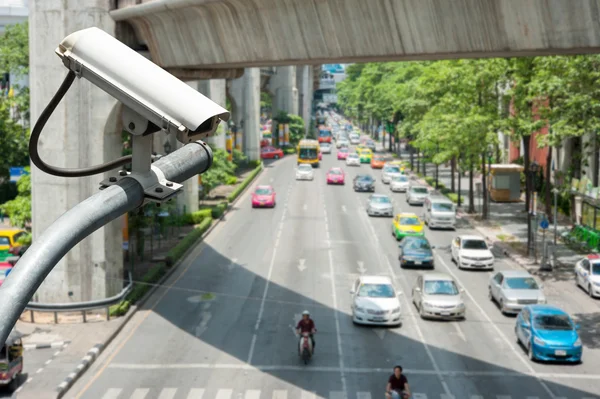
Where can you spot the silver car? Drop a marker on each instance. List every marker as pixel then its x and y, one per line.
pixel 353 160
pixel 380 205
pixel 325 148
pixel 512 290
pixel 399 183
pixel 304 172
pixel 416 195
pixel 436 295
pixel 354 138
pixel 342 142
pixel 389 172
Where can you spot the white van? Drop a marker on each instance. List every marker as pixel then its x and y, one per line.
pixel 440 212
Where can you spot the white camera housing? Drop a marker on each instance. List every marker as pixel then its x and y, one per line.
pixel 161 101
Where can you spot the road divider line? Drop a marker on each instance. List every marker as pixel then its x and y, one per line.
pixel 460 332
pixel 497 329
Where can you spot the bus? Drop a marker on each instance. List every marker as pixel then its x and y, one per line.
pixel 325 135
pixel 308 152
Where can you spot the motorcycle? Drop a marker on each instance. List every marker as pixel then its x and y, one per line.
pixel 305 347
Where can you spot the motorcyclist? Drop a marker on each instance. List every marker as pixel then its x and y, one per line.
pixel 307 325
pixel 397 386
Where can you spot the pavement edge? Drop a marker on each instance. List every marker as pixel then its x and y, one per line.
pixel 97 349
pixel 53 345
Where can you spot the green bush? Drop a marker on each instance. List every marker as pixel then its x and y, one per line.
pixel 244 184
pixel 179 250
pixel 218 210
pixel 453 197
pixel 139 290
pixel 445 191
pixel 289 150
pixel 430 180
pixel 255 164
pixel 199 216
pixel 231 180
pixel 25 239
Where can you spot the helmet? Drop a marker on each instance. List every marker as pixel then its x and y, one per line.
pixel 306 313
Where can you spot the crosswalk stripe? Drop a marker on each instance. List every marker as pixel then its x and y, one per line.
pixel 112 393
pixel 196 393
pixel 280 394
pixel 224 393
pixel 363 395
pixel 140 393
pixel 307 395
pixel 337 395
pixel 167 393
pixel 252 394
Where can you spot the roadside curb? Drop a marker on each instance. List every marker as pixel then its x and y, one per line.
pixel 97 349
pixel 53 345
pixel 83 365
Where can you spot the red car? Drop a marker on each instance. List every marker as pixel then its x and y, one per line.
pixel 336 176
pixel 263 196
pixel 265 143
pixel 271 153
pixel 342 153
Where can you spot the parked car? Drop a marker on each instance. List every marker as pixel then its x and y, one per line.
pixel 380 205
pixel 263 196
pixel 472 252
pixel 512 290
pixel 548 334
pixel 437 295
pixel 416 252
pixel 270 152
pixel 587 274
pixel 375 301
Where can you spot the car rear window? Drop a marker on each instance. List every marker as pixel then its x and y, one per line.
pixel 263 191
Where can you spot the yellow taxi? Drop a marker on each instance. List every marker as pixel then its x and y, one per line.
pixel 407 224
pixel 8 239
pixel 365 155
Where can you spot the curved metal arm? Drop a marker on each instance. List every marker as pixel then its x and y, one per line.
pixel 81 221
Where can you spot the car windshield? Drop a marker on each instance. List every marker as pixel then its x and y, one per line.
pixel 324 133
pixel 380 200
pixel 343 150
pixel 419 190
pixel 418 244
pixel 335 172
pixel 441 287
pixel 263 191
pixel 409 221
pixel 366 178
pixel 307 153
pixel 595 269
pixel 400 178
pixel 353 156
pixel 325 145
pixel 552 322
pixel 376 291
pixel 305 168
pixel 474 244
pixel 442 207
pixel 392 169
pixel 521 283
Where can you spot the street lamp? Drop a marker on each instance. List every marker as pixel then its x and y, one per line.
pixel 534 168
pixel 167 147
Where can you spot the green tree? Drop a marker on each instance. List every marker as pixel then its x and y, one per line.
pixel 19 209
pixel 296 126
pixel 220 171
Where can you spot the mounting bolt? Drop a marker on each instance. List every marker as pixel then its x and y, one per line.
pixel 158 189
pixel 112 179
pixel 123 173
pixel 131 126
pixel 169 184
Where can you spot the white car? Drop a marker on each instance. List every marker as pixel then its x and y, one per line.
pixel 352 160
pixel 354 139
pixel 587 274
pixel 399 183
pixel 416 194
pixel 437 295
pixel 325 148
pixel 342 142
pixel 375 301
pixel 389 172
pixel 512 290
pixel 472 252
pixel 305 172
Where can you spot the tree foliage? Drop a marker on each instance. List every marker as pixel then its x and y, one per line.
pixel 296 126
pixel 19 209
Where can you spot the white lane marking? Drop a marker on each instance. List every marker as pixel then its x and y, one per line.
pixel 39 370
pixel 252 394
pixel 112 393
pixel 302 265
pixel 307 395
pixel 140 393
pixel 497 329
pixel 460 332
pixel 381 253
pixel 361 267
pixel 344 208
pixel 266 290
pixel 380 332
pixel 305 207
pixel 337 323
pixel 224 394
pixel 48 362
pixel 56 353
pixel 167 393
pixel 196 393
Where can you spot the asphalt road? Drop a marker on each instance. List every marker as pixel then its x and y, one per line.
pixel 222 326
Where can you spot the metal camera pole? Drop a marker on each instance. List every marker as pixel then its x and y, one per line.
pixel 118 196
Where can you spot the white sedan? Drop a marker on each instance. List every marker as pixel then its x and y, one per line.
pixel 472 252
pixel 305 172
pixel 352 160
pixel 325 148
pixel 375 301
pixel 399 183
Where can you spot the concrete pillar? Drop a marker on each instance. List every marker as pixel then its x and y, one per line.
pixel 215 89
pixel 84 130
pixel 245 94
pixel 305 88
pixel 283 86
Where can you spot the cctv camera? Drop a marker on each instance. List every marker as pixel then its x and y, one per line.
pixel 160 100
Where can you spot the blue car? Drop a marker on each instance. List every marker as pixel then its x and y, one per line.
pixel 549 334
pixel 416 252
